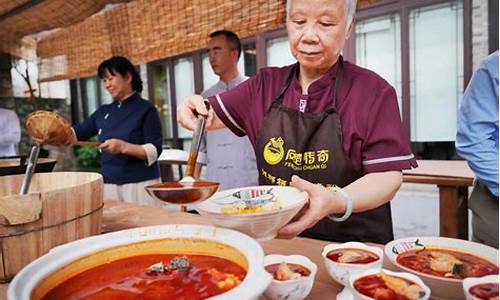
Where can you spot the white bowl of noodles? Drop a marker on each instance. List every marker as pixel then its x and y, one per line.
pixel 259 211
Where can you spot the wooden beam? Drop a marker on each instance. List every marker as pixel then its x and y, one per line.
pixel 19 9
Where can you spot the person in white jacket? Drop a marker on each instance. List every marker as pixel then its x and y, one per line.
pixel 10 130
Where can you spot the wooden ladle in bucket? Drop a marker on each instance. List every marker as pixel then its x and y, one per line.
pixel 187 190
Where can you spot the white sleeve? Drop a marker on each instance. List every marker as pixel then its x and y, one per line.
pixel 151 153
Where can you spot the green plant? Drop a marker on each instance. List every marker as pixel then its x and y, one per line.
pixel 89 158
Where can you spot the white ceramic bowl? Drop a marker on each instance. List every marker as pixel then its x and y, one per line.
pixel 296 289
pixel 341 272
pixel 358 296
pixel 262 225
pixel 441 287
pixel 35 275
pixel 472 281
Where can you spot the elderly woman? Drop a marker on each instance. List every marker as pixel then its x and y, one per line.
pixel 130 130
pixel 323 125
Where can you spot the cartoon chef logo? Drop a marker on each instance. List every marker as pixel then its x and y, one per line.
pixel 273 151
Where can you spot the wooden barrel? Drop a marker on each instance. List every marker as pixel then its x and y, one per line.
pixel 60 207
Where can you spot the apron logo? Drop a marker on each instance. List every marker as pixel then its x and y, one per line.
pixel 274 151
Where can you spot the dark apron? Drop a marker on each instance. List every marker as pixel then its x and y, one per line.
pixel 310 146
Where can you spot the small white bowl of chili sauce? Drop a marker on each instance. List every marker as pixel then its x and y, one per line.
pixel 293 276
pixel 386 285
pixel 481 288
pixel 347 259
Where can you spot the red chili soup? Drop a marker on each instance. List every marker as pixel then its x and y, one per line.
pixel 144 277
pixel 386 287
pixel 352 256
pixel 287 271
pixel 485 291
pixel 446 263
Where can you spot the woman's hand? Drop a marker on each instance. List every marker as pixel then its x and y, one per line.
pixel 195 105
pixel 322 202
pixel 114 146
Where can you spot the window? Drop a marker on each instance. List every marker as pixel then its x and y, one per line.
pixel 419 47
pixel 104 94
pixel 278 52
pixel 436 81
pixel 92 102
pixel 184 87
pixel 248 60
pixel 161 99
pixel 378 47
pixel 209 77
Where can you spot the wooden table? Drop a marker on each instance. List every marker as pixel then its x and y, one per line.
pixel 453 178
pixel 119 216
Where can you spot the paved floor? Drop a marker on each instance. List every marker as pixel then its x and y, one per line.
pixel 415 211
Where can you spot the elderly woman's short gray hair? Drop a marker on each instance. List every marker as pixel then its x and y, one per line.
pixel 350 10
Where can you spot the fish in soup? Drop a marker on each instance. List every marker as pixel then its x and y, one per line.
pixel 387 287
pixel 163 276
pixel 287 271
pixel 446 263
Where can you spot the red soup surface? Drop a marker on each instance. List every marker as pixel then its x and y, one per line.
pixel 485 290
pixel 383 287
pixel 446 263
pixel 281 271
pixel 352 256
pixel 131 278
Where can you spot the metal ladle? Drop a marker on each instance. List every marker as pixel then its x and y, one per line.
pixel 187 190
pixel 30 169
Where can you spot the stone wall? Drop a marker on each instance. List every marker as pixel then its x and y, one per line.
pixel 479 31
pixel 22 106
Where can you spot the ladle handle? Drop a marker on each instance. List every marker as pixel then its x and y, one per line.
pixel 30 169
pixel 195 145
pixel 86 143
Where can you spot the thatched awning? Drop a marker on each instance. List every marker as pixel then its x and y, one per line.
pixel 149 30
pixel 21 18
pixel 142 30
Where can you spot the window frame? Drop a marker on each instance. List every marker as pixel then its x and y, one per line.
pixel 403 8
pixel 378 9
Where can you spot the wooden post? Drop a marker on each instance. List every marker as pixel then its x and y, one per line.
pixel 453 212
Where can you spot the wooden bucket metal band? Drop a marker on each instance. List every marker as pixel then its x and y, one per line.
pixel 53 225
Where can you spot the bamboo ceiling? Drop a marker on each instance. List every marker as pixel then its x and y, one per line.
pixel 147 30
pixel 142 30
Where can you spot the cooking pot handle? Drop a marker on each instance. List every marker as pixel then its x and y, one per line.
pixel 20 209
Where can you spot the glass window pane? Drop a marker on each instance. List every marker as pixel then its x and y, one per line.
pixel 91 88
pixel 209 77
pixel 161 99
pixel 184 86
pixel 105 96
pixel 278 52
pixel 378 48
pixel 436 71
pixel 248 60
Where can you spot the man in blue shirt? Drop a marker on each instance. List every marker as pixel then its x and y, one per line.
pixel 477 142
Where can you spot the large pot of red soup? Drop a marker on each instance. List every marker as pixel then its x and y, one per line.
pixel 159 262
